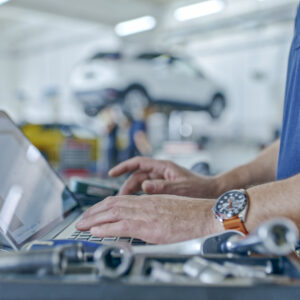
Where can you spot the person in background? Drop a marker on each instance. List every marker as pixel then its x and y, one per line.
pixel 112 135
pixel 138 142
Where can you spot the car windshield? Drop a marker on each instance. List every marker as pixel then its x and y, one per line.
pixel 184 67
pixel 150 55
pixel 106 55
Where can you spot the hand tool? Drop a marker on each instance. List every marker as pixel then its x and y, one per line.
pixel 43 261
pixel 113 261
pixel 277 236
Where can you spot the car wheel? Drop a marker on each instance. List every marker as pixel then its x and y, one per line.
pixel 135 100
pixel 91 111
pixel 201 168
pixel 217 106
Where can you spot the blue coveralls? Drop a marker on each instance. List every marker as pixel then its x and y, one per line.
pixel 289 154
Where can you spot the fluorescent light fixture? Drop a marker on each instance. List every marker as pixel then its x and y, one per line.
pixel 136 25
pixel 197 10
pixel 3 1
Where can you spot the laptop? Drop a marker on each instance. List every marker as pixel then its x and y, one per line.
pixel 34 201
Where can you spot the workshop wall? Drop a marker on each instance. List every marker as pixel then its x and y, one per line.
pixel 6 101
pixel 249 62
pixel 44 66
pixel 252 66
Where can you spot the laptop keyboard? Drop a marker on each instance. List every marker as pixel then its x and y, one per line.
pixel 87 236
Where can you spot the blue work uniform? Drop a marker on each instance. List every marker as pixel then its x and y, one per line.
pixel 136 126
pixel 112 149
pixel 289 154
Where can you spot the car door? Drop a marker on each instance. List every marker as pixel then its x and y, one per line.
pixel 187 84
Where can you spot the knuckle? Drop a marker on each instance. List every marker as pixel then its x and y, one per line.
pixel 137 159
pixel 115 212
pixel 134 176
pixel 125 226
pixel 96 231
pixel 108 202
pixel 109 198
pixel 170 163
pixel 160 185
pixel 166 163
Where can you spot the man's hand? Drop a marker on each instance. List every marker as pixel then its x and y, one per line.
pixel 163 177
pixel 154 219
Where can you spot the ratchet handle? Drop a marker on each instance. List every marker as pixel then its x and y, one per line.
pixel 276 237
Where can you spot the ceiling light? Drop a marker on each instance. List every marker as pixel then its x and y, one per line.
pixel 3 1
pixel 136 25
pixel 197 10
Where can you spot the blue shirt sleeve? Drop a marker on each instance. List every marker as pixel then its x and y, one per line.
pixel 289 154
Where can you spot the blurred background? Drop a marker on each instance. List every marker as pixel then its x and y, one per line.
pixel 95 82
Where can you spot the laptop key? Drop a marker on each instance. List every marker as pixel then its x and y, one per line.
pixel 109 239
pixel 95 240
pixel 83 238
pixel 85 234
pixel 125 239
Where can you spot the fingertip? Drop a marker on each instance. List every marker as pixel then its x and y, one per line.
pixel 111 172
pixel 120 192
pixel 80 224
pixel 85 214
pixel 123 192
pixel 148 187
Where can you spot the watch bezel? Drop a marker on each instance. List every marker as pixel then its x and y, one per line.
pixel 241 214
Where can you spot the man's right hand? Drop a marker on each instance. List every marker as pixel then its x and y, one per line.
pixel 162 177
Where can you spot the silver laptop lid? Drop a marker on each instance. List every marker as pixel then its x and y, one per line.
pixel 33 199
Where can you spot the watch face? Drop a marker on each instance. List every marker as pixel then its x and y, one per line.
pixel 230 204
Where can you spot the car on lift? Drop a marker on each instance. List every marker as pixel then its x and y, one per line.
pixel 155 78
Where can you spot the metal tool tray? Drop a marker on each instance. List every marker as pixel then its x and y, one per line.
pixel 134 286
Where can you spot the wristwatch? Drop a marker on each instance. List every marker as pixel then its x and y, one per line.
pixel 231 209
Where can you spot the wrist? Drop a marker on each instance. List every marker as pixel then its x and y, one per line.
pixel 208 224
pixel 219 186
pixel 216 225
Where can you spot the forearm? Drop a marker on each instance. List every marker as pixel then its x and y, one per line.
pixel 258 171
pixel 274 199
pixel 142 143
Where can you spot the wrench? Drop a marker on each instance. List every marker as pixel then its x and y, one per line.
pixel 277 236
pixel 206 245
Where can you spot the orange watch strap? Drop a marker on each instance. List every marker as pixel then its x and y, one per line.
pixel 235 223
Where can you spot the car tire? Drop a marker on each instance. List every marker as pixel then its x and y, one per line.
pixel 202 168
pixel 217 106
pixel 91 111
pixel 134 98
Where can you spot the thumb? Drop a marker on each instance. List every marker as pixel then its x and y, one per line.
pixel 158 186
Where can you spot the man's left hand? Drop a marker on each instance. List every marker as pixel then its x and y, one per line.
pixel 156 219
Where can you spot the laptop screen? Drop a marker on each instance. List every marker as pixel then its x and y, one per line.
pixel 33 199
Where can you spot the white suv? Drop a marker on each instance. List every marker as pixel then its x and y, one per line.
pixel 156 78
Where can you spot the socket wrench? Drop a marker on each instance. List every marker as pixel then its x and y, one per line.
pixel 113 261
pixel 44 261
pixel 210 244
pixel 277 236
